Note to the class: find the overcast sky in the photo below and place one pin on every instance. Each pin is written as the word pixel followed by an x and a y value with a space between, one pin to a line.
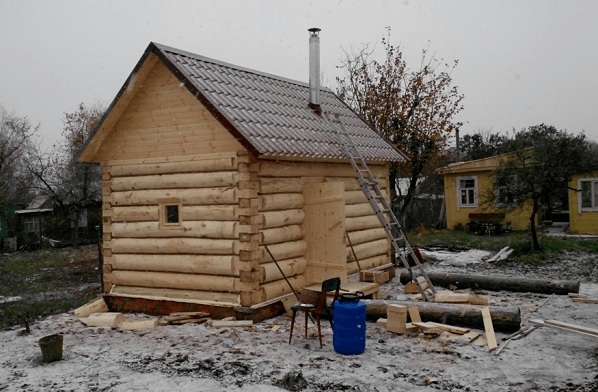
pixel 521 63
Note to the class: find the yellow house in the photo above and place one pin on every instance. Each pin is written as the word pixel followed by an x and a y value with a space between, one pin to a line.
pixel 465 186
pixel 583 204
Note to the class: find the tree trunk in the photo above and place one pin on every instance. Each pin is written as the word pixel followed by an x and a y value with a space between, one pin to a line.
pixel 505 319
pixel 76 229
pixel 497 283
pixel 532 222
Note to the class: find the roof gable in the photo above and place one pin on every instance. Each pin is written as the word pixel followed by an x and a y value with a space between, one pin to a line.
pixel 267 114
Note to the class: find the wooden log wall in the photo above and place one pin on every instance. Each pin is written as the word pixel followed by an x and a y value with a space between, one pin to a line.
pixel 232 207
pixel 281 216
pixel 206 258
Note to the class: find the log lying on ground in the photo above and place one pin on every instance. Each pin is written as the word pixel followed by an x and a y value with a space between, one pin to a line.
pixel 504 318
pixel 498 283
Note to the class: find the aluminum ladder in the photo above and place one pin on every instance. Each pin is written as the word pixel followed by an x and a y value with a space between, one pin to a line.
pixel 391 226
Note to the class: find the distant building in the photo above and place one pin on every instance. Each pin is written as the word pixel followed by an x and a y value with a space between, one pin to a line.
pixel 583 204
pixel 464 185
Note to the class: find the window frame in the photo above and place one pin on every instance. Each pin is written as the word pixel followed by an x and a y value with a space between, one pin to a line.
pixel 163 214
pixel 593 194
pixel 31 221
pixel 474 204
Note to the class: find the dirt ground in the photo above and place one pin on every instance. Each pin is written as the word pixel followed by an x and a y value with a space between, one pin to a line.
pixel 202 358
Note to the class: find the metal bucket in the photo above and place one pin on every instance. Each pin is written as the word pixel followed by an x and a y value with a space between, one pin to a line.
pixel 51 347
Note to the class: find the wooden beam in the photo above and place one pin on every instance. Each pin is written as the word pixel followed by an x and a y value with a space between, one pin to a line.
pixel 490 336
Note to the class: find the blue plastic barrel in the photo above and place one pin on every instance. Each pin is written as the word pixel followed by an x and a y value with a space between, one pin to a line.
pixel 348 324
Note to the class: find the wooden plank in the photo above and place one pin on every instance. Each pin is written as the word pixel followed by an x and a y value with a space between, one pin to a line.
pixel 94 306
pixel 572 327
pixel 414 314
pixel 231 323
pixel 575 295
pixel 427 327
pixel 450 328
pixel 586 300
pixel 490 336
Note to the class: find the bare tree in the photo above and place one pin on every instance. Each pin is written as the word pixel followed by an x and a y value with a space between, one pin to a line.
pixel 74 188
pixel 16 141
pixel 414 109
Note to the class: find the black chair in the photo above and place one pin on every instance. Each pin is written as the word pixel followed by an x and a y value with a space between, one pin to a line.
pixel 311 302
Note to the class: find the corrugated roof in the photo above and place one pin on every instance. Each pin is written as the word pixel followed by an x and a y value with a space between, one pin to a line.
pixel 269 114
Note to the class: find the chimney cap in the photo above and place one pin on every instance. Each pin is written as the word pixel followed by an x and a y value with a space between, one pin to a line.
pixel 314 31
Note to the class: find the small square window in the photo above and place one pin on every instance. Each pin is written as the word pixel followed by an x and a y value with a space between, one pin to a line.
pixel 170 214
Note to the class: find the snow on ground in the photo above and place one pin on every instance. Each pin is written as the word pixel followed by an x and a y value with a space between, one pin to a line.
pixel 457 259
pixel 203 358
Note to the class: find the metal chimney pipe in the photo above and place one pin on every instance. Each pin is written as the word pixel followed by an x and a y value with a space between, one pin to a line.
pixel 314 68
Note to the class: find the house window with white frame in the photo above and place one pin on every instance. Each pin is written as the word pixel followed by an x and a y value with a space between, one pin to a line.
pixel 31 224
pixel 467 191
pixel 588 195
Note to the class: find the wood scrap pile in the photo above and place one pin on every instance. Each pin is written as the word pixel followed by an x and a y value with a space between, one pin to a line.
pixel 179 318
pixel 582 298
pixel 396 322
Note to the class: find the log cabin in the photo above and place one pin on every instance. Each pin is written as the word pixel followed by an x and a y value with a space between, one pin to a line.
pixel 206 164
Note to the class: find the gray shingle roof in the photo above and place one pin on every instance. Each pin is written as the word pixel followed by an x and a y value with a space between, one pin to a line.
pixel 269 114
